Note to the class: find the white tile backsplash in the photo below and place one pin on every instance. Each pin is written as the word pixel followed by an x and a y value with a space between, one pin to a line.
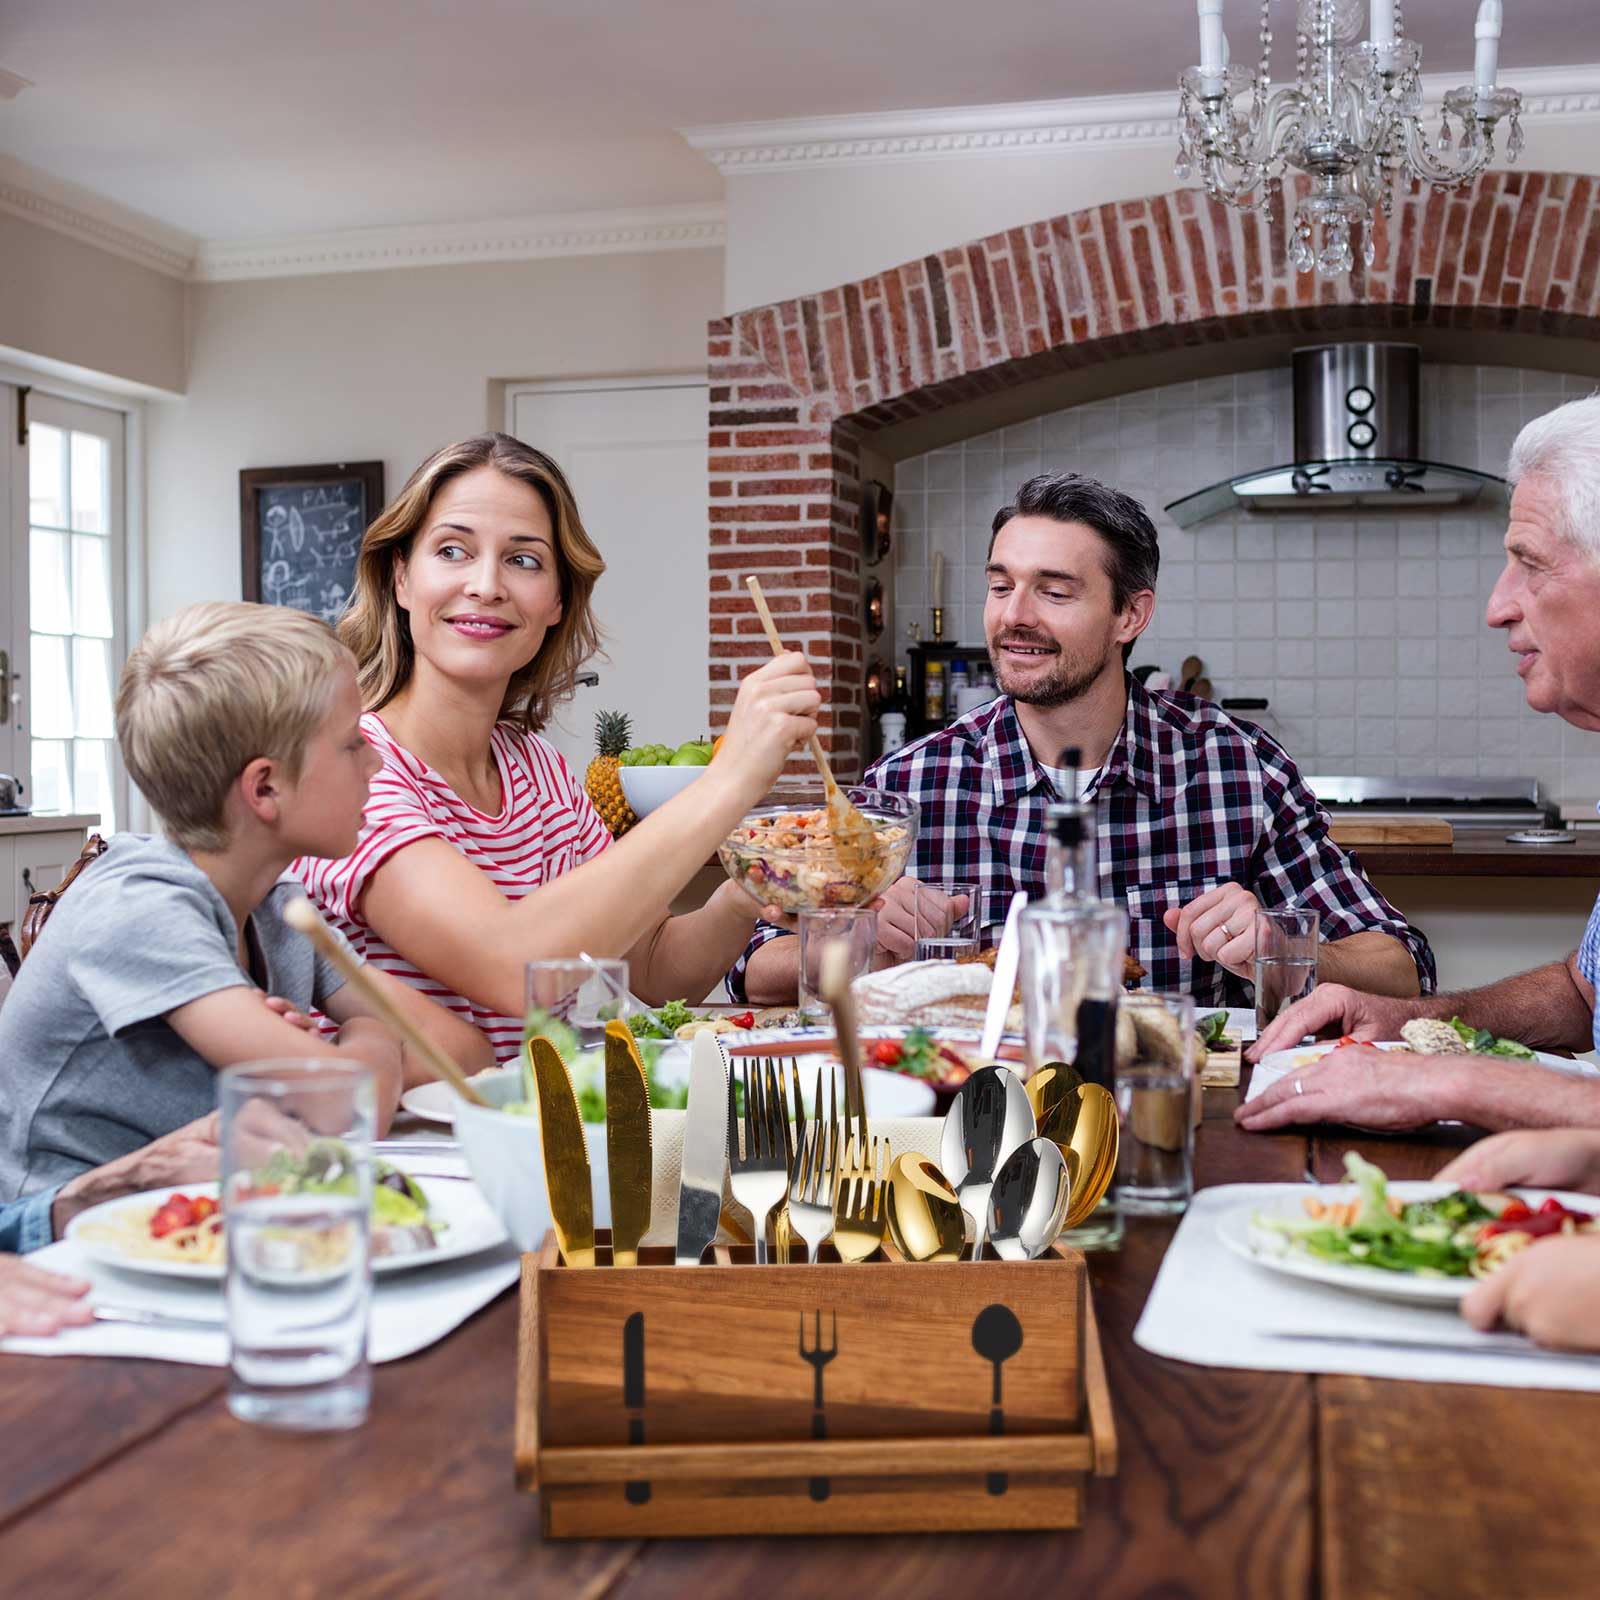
pixel 1366 634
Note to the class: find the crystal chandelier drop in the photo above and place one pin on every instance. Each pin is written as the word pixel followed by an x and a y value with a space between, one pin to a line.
pixel 1352 121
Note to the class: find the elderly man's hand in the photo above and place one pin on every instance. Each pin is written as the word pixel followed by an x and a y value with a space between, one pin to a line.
pixel 1550 1291
pixel 1546 1158
pixel 38 1303
pixel 189 1154
pixel 1333 1009
pixel 1361 1086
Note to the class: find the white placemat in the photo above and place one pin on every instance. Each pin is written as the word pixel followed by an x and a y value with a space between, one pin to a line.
pixel 410 1310
pixel 1209 1307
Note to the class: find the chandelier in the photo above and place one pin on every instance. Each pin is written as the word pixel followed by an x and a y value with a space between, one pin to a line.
pixel 1352 121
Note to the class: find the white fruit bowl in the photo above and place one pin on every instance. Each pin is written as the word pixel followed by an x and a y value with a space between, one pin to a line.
pixel 645 788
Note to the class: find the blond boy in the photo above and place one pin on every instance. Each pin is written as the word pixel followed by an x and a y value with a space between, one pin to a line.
pixel 169 958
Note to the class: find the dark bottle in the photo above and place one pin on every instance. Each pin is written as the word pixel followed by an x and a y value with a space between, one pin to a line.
pixel 1097 1042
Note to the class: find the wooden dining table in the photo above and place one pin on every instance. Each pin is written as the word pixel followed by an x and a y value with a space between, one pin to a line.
pixel 131 1477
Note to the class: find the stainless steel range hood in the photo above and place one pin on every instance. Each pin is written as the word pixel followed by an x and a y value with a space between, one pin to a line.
pixel 1356 445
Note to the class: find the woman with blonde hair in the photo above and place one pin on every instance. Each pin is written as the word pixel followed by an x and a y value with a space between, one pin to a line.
pixel 480 850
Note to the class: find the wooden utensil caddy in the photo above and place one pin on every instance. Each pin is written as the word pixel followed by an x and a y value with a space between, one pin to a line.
pixel 660 1401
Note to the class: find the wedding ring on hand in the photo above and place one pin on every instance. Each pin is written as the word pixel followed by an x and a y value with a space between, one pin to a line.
pixel 1299 1088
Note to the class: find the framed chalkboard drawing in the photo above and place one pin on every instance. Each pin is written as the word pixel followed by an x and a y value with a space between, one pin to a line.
pixel 301 532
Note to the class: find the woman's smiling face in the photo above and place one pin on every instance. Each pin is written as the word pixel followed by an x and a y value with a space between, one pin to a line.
pixel 481 581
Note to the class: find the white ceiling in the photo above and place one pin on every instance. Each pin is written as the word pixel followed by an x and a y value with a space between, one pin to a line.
pixel 239 119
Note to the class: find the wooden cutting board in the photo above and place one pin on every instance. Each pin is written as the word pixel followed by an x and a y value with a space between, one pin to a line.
pixel 1392 830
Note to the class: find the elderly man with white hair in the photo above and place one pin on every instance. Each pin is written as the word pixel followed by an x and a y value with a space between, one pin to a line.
pixel 1548 601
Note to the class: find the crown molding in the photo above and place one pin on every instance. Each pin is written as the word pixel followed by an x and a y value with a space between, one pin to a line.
pixel 78 213
pixel 578 233
pixel 743 149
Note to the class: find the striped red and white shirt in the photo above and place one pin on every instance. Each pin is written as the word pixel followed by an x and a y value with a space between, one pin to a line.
pixel 546 826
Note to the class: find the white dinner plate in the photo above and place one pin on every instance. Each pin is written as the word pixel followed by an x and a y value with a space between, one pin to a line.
pixel 469 1226
pixel 1238 1231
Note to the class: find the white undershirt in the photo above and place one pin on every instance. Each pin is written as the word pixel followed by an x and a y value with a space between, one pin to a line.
pixel 1058 778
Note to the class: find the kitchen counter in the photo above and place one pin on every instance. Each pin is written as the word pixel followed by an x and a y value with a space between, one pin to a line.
pixel 1484 853
pixel 49 822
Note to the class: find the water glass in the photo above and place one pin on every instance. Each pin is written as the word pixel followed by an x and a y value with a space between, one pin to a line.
pixel 297 1196
pixel 854 927
pixel 582 992
pixel 944 934
pixel 1286 959
pixel 1155 1107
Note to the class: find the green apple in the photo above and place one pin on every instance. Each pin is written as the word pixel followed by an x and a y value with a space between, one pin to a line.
pixel 691 755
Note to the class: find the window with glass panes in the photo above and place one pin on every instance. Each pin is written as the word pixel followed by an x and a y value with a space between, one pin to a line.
pixel 71 621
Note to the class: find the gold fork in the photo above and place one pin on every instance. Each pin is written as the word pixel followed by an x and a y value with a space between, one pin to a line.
pixel 858 1202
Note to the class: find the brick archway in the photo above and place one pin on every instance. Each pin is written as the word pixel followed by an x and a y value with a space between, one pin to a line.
pixel 796 387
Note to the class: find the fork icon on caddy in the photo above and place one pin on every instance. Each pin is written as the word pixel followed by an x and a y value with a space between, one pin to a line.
pixel 818 1356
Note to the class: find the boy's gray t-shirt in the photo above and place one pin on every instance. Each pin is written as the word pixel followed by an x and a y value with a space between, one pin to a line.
pixel 89 1068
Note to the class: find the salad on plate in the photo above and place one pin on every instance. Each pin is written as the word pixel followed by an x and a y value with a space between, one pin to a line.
pixel 1461 1234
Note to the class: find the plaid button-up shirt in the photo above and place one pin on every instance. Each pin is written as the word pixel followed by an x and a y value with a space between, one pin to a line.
pixel 1188 798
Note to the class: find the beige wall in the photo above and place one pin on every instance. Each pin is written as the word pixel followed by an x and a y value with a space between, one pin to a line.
pixel 388 365
pixel 67 301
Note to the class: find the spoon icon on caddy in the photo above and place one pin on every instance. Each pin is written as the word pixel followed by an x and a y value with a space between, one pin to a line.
pixel 996 1336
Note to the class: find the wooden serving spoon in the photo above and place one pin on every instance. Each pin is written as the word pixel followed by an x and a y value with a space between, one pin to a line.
pixel 856 838
pixel 302 916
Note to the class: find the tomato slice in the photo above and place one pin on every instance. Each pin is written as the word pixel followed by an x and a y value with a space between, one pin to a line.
pixel 177 1211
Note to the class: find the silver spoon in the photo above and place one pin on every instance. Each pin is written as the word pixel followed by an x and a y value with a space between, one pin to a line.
pixel 1029 1201
pixel 991 1116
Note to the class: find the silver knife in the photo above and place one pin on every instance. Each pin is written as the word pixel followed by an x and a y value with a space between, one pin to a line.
pixel 139 1317
pixel 1482 1344
pixel 1005 978
pixel 705 1150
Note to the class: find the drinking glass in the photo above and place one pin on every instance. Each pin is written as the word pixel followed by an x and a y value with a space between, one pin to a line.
pixel 297 1195
pixel 1155 1107
pixel 856 928
pixel 942 934
pixel 582 992
pixel 1286 959
pixel 1071 963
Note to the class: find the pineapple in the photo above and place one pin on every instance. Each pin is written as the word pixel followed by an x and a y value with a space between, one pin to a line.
pixel 611 737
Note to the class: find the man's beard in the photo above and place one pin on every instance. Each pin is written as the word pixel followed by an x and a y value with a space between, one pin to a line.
pixel 1069 678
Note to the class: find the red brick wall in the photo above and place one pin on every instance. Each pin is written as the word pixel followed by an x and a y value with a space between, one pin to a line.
pixel 795 386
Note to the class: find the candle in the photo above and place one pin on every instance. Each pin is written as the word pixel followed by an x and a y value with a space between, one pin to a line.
pixel 1487 33
pixel 938 578
pixel 1213 49
pixel 1380 22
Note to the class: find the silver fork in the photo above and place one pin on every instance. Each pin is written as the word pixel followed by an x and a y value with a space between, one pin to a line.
pixel 760 1174
pixel 815 1168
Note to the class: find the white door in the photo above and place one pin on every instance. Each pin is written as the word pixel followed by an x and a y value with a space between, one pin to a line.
pixel 634 451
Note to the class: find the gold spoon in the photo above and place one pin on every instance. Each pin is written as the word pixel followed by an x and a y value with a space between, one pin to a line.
pixel 926 1221
pixel 854 837
pixel 1053 1094
pixel 1092 1154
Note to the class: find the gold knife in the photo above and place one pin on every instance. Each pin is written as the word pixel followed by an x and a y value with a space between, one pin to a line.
pixel 627 1144
pixel 566 1157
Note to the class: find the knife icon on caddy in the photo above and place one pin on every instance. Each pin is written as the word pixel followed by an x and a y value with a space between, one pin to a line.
pixel 637 1492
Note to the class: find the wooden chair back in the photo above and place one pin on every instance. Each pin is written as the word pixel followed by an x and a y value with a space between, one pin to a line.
pixel 42 903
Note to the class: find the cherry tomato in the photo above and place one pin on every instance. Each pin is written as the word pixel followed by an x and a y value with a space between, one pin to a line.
pixel 887 1052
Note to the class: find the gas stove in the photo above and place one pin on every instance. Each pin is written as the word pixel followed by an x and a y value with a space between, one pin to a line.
pixel 1466 802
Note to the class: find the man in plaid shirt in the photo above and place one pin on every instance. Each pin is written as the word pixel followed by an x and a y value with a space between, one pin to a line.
pixel 1200 818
